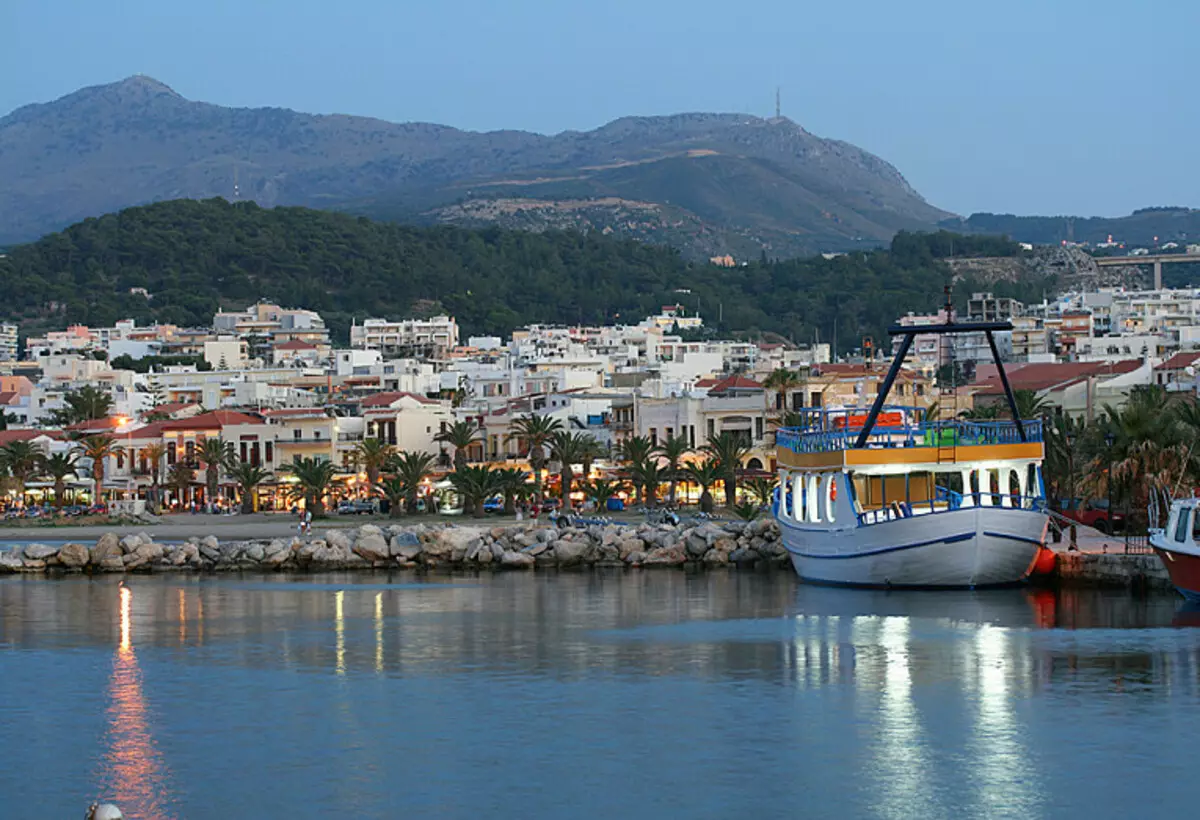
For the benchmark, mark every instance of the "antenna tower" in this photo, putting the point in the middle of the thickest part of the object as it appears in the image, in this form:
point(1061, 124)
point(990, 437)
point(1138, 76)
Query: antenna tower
point(776, 102)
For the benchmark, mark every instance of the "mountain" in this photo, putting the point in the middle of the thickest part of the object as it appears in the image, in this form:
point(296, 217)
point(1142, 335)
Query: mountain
point(708, 183)
point(1144, 227)
point(181, 261)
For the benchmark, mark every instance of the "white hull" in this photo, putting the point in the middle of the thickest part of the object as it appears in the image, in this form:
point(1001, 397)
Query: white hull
point(972, 547)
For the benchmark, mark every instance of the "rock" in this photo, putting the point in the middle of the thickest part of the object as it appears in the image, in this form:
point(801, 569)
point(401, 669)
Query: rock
point(635, 557)
point(10, 561)
point(73, 555)
point(210, 541)
point(339, 538)
point(497, 552)
point(211, 552)
point(608, 553)
point(40, 552)
point(715, 556)
point(112, 563)
point(107, 545)
point(665, 556)
point(545, 534)
point(485, 554)
point(696, 545)
point(516, 560)
point(408, 552)
point(498, 532)
point(569, 553)
point(725, 544)
point(402, 542)
point(130, 543)
point(275, 547)
point(628, 545)
point(256, 552)
point(372, 546)
point(275, 559)
point(149, 552)
point(757, 542)
point(536, 549)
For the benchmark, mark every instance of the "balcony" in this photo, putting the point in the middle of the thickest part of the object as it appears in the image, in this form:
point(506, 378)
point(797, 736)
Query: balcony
point(286, 441)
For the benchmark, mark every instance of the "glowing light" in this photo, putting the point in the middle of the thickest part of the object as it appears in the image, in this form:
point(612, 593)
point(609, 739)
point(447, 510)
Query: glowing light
point(182, 616)
point(339, 628)
point(126, 625)
point(379, 632)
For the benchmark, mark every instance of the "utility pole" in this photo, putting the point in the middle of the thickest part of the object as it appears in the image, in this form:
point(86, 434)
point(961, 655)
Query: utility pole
point(776, 102)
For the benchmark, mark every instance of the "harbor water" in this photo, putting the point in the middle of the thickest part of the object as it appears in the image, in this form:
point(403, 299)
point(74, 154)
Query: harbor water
point(651, 694)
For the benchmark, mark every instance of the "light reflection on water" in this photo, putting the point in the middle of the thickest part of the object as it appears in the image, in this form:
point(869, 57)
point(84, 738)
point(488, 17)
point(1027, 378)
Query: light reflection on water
point(786, 697)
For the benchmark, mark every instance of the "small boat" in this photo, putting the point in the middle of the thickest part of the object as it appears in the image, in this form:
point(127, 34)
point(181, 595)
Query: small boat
point(1178, 546)
point(884, 497)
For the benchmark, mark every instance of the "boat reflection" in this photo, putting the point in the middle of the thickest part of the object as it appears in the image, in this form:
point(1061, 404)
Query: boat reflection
point(135, 775)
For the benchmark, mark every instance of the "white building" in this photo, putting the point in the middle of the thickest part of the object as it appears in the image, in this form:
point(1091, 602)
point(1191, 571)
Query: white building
point(429, 337)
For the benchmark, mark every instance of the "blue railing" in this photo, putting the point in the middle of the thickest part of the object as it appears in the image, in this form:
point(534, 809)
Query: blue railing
point(947, 500)
point(957, 433)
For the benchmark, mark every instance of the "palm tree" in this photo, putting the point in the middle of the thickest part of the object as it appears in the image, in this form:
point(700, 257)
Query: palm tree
point(729, 450)
point(313, 477)
point(22, 460)
point(58, 467)
point(248, 477)
point(672, 450)
point(154, 455)
point(513, 484)
point(782, 381)
point(601, 490)
point(98, 448)
point(645, 474)
point(590, 450)
point(635, 450)
point(986, 412)
point(395, 490)
point(762, 488)
point(475, 484)
point(1030, 405)
point(567, 449)
point(460, 435)
point(705, 474)
point(535, 432)
point(412, 467)
point(373, 455)
point(179, 478)
point(214, 453)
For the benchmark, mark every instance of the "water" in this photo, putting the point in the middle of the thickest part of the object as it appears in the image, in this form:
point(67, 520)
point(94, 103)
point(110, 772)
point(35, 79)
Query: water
point(651, 694)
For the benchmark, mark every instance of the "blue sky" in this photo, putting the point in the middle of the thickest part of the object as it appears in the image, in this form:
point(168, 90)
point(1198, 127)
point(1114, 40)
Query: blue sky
point(1027, 106)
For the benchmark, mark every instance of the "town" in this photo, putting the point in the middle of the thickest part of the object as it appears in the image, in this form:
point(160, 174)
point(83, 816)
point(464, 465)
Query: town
point(121, 415)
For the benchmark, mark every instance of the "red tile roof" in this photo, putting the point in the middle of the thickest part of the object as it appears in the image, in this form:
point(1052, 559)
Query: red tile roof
point(1176, 362)
point(214, 420)
point(295, 344)
point(388, 399)
point(288, 412)
point(10, 397)
point(1038, 376)
point(9, 436)
point(95, 425)
point(734, 382)
point(707, 382)
point(171, 408)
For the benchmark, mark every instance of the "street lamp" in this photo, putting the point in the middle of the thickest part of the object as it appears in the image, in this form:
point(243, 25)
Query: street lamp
point(122, 421)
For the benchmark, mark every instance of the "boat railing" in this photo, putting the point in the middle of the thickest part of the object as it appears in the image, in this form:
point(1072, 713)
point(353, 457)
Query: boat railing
point(955, 433)
point(947, 500)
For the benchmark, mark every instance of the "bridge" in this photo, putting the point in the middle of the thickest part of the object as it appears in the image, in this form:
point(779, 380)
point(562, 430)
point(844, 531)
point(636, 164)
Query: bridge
point(1158, 261)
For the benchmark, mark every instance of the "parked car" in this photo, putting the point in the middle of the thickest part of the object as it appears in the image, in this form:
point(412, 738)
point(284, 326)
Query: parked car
point(356, 508)
point(1094, 513)
point(494, 505)
point(550, 504)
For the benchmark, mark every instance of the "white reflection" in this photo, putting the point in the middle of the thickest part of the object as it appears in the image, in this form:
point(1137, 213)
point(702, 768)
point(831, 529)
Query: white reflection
point(378, 632)
point(134, 773)
point(1003, 776)
point(339, 626)
point(900, 754)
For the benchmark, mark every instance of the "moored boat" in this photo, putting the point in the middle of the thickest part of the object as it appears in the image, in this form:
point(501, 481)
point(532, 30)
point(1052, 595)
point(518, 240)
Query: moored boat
point(888, 498)
point(1178, 546)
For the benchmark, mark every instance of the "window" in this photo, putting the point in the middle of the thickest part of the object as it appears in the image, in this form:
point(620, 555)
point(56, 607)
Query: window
point(1181, 526)
point(296, 434)
point(758, 427)
point(171, 453)
point(654, 436)
point(269, 447)
point(1196, 529)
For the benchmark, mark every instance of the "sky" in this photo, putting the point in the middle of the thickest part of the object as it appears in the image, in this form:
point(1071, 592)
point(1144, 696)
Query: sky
point(1083, 107)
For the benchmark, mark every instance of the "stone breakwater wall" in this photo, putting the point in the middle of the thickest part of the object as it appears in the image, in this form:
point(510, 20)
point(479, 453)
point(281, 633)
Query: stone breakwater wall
point(467, 547)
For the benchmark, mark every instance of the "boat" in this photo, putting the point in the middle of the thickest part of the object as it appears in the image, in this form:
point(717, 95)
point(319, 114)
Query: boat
point(885, 497)
point(1178, 546)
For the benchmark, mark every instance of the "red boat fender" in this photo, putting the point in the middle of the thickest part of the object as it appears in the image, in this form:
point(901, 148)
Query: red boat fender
point(1045, 562)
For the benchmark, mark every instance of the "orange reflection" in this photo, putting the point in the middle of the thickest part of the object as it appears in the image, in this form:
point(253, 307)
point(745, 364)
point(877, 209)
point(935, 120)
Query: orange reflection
point(135, 775)
point(182, 617)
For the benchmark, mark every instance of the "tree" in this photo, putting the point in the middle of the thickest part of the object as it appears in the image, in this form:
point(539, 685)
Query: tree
point(567, 449)
point(395, 490)
point(180, 477)
point(460, 435)
point(1030, 405)
point(729, 450)
point(57, 467)
point(590, 450)
point(476, 484)
point(705, 474)
point(247, 477)
point(373, 455)
point(762, 488)
point(154, 455)
point(313, 477)
point(412, 467)
point(215, 454)
point(97, 448)
point(672, 450)
point(600, 490)
point(648, 476)
point(513, 484)
point(535, 432)
point(782, 381)
point(22, 460)
point(635, 450)
point(84, 404)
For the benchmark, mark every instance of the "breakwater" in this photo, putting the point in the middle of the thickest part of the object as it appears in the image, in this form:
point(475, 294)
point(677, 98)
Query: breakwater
point(517, 547)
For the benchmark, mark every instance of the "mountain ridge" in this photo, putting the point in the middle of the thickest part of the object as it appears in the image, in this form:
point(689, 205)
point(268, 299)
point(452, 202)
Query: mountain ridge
point(137, 141)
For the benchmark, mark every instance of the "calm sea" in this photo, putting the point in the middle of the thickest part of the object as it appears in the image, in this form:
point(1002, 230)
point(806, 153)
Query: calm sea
point(649, 694)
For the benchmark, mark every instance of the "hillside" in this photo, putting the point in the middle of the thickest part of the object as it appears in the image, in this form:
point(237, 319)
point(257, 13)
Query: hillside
point(706, 183)
point(193, 257)
point(1145, 227)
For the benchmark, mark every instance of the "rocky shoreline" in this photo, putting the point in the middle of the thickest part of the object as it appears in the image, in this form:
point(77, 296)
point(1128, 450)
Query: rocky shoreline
point(520, 547)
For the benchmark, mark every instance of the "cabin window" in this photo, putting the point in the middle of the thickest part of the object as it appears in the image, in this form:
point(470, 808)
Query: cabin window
point(1181, 526)
point(1196, 529)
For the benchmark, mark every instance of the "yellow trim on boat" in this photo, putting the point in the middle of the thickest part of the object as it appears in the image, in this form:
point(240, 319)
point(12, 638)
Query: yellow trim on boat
point(834, 459)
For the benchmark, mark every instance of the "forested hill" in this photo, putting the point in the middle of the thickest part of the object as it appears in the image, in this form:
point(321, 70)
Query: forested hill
point(195, 257)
